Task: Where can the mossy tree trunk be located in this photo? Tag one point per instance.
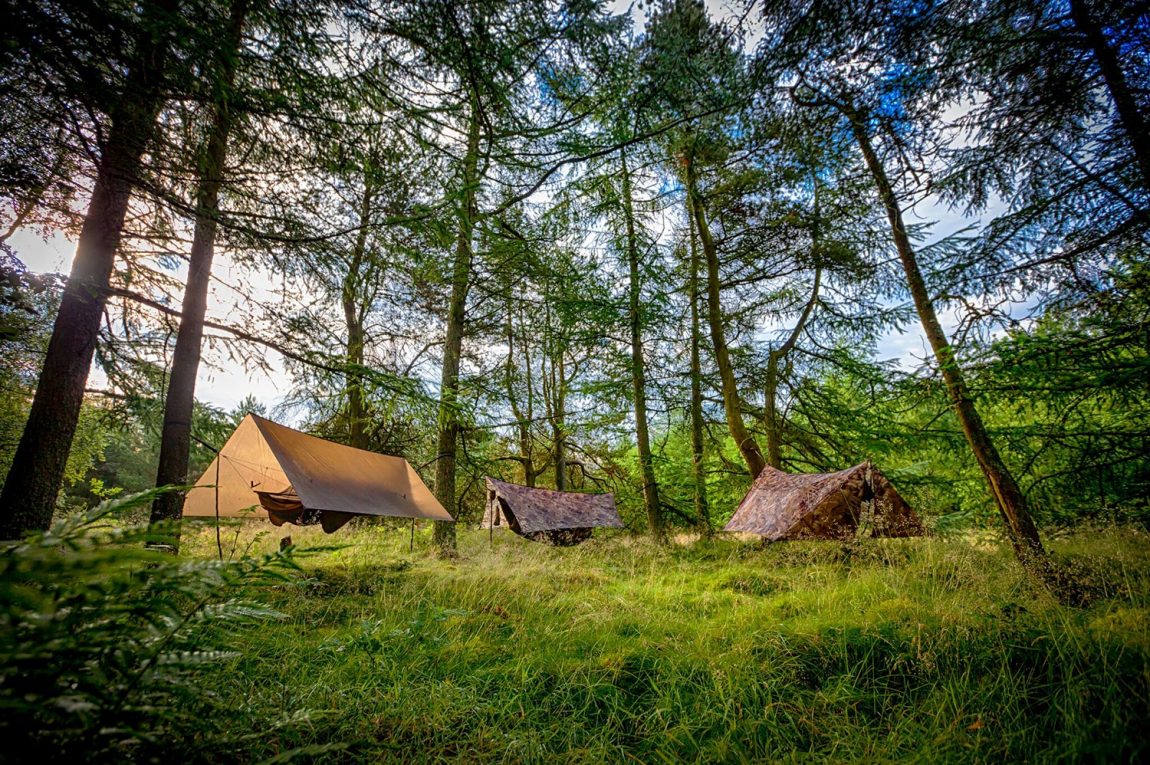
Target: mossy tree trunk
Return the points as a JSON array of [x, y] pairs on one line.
[[638, 370], [448, 425], [731, 402]]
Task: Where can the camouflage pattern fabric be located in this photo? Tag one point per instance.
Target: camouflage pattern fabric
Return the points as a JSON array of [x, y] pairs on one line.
[[858, 500], [556, 517]]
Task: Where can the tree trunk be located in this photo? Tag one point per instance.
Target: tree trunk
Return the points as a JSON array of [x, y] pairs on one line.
[[638, 372], [356, 435], [771, 413], [559, 420], [29, 496], [702, 510], [525, 441], [522, 422], [743, 439], [1133, 122], [353, 313], [1011, 503], [771, 387], [453, 343], [175, 437], [554, 384]]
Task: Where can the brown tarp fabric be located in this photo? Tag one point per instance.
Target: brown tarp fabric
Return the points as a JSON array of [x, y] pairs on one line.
[[825, 506], [559, 517], [265, 466]]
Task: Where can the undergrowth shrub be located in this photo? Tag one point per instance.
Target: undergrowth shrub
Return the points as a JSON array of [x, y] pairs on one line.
[[108, 651]]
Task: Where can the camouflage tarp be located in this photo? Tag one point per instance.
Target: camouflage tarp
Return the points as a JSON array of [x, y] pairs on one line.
[[825, 506], [559, 517]]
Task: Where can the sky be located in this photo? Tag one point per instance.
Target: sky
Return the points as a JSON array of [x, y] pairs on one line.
[[221, 382]]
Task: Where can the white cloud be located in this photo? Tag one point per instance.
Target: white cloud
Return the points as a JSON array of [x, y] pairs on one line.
[[42, 256]]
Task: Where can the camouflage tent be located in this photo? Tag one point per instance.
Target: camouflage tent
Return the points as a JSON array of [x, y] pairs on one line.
[[266, 470], [556, 517], [825, 506]]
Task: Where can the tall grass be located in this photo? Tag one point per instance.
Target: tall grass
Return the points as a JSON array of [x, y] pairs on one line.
[[621, 651]]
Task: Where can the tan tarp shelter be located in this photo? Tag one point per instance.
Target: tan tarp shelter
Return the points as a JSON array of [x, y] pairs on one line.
[[825, 506], [558, 517], [270, 471]]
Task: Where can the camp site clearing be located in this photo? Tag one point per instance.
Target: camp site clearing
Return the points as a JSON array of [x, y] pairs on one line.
[[618, 650]]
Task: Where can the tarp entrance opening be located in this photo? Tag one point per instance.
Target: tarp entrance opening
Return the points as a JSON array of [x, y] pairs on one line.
[[503, 515]]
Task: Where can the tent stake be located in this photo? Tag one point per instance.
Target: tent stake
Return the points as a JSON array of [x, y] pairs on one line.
[[412, 547]]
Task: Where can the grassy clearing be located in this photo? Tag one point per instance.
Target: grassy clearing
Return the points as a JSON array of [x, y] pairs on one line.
[[717, 651]]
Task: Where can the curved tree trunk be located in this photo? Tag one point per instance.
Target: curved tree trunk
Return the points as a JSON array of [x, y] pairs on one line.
[[638, 372], [175, 437], [37, 471], [743, 438], [1011, 503]]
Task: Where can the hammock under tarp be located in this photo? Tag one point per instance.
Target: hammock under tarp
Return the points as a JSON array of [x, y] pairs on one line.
[[266, 470], [286, 507]]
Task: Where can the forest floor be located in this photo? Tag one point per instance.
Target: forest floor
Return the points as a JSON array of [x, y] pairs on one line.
[[726, 651]]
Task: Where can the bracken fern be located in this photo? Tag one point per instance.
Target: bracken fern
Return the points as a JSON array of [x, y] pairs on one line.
[[109, 652]]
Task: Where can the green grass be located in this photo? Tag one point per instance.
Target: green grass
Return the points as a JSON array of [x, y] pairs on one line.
[[618, 651]]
